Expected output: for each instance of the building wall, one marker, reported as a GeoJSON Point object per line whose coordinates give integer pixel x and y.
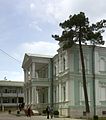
{"type": "Point", "coordinates": [68, 94]}
{"type": "Point", "coordinates": [11, 94]}
{"type": "Point", "coordinates": [69, 79]}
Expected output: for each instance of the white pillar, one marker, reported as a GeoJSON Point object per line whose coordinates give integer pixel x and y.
{"type": "Point", "coordinates": [33, 70]}
{"type": "Point", "coordinates": [37, 100]}
{"type": "Point", "coordinates": [57, 94]}
{"type": "Point", "coordinates": [17, 99]}
{"type": "Point", "coordinates": [49, 95]}
{"type": "Point", "coordinates": [29, 74]}
{"type": "Point", "coordinates": [66, 59]}
{"type": "Point", "coordinates": [36, 74]}
{"type": "Point", "coordinates": [34, 100]}
{"type": "Point", "coordinates": [60, 95]}
{"type": "Point", "coordinates": [60, 64]}
{"type": "Point", "coordinates": [66, 90]}
{"type": "Point", "coordinates": [24, 95]}
{"type": "Point", "coordinates": [25, 76]}
{"type": "Point", "coordinates": [29, 96]}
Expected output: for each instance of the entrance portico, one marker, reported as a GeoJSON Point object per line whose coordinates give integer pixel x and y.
{"type": "Point", "coordinates": [38, 78]}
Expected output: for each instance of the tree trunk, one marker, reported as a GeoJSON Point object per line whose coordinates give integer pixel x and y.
{"type": "Point", "coordinates": [83, 74]}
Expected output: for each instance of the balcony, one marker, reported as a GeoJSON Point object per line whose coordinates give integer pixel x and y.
{"type": "Point", "coordinates": [12, 94]}
{"type": "Point", "coordinates": [9, 104]}
{"type": "Point", "coordinates": [40, 81]}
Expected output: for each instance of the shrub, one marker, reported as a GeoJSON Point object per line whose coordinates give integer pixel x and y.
{"type": "Point", "coordinates": [95, 117]}
{"type": "Point", "coordinates": [44, 111]}
{"type": "Point", "coordinates": [18, 112]}
{"type": "Point", "coordinates": [56, 112]}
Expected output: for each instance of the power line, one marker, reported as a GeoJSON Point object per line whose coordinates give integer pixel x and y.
{"type": "Point", "coordinates": [10, 56]}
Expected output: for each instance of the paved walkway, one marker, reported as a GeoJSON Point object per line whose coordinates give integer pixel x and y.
{"type": "Point", "coordinates": [14, 116]}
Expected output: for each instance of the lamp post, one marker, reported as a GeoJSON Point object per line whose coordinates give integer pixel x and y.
{"type": "Point", "coordinates": [17, 98]}
{"type": "Point", "coordinates": [1, 99]}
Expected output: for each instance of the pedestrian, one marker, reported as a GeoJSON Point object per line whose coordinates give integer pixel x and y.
{"type": "Point", "coordinates": [51, 112]}
{"type": "Point", "coordinates": [48, 111]}
{"type": "Point", "coordinates": [20, 107]}
{"type": "Point", "coordinates": [29, 111]}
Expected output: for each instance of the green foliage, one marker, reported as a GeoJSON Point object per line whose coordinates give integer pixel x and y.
{"type": "Point", "coordinates": [56, 112]}
{"type": "Point", "coordinates": [78, 25]}
{"type": "Point", "coordinates": [44, 111]}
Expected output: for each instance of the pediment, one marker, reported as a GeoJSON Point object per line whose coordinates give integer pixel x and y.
{"type": "Point", "coordinates": [26, 58]}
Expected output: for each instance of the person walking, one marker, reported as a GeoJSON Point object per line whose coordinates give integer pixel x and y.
{"type": "Point", "coordinates": [29, 111]}
{"type": "Point", "coordinates": [51, 112]}
{"type": "Point", "coordinates": [48, 111]}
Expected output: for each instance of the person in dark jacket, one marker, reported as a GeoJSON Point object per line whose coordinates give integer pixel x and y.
{"type": "Point", "coordinates": [48, 111]}
{"type": "Point", "coordinates": [51, 112]}
{"type": "Point", "coordinates": [29, 111]}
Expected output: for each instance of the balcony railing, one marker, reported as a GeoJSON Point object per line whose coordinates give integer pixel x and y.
{"type": "Point", "coordinates": [9, 104]}
{"type": "Point", "coordinates": [12, 94]}
{"type": "Point", "coordinates": [40, 79]}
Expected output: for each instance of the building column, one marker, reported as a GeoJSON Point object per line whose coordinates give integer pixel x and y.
{"type": "Point", "coordinates": [66, 90]}
{"type": "Point", "coordinates": [60, 95]}
{"type": "Point", "coordinates": [17, 99]}
{"type": "Point", "coordinates": [29, 73]}
{"type": "Point", "coordinates": [50, 88]}
{"type": "Point", "coordinates": [49, 71]}
{"type": "Point", "coordinates": [1, 100]}
{"type": "Point", "coordinates": [25, 76]}
{"type": "Point", "coordinates": [29, 102]}
{"type": "Point", "coordinates": [57, 94]}
{"type": "Point", "coordinates": [34, 95]}
{"type": "Point", "coordinates": [66, 58]}
{"type": "Point", "coordinates": [30, 95]}
{"type": "Point", "coordinates": [27, 96]}
{"type": "Point", "coordinates": [49, 94]}
{"type": "Point", "coordinates": [24, 94]}
{"type": "Point", "coordinates": [37, 97]}
{"type": "Point", "coordinates": [33, 70]}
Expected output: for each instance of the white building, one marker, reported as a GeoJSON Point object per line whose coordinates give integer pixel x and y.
{"type": "Point", "coordinates": [58, 80]}
{"type": "Point", "coordinates": [11, 94]}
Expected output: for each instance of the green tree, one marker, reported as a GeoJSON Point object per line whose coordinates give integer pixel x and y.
{"type": "Point", "coordinates": [77, 30]}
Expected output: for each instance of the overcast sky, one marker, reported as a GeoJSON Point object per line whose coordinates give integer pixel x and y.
{"type": "Point", "coordinates": [26, 26]}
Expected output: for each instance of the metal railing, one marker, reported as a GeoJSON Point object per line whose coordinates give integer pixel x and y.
{"type": "Point", "coordinates": [41, 79]}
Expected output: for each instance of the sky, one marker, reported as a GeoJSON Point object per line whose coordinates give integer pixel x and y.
{"type": "Point", "coordinates": [26, 26]}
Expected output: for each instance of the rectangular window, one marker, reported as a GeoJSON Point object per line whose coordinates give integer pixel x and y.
{"type": "Point", "coordinates": [64, 93]}
{"type": "Point", "coordinates": [103, 94]}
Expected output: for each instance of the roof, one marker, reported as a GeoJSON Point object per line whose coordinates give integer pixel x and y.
{"type": "Point", "coordinates": [11, 83]}
{"type": "Point", "coordinates": [38, 55]}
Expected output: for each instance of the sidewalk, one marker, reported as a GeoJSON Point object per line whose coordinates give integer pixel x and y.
{"type": "Point", "coordinates": [21, 116]}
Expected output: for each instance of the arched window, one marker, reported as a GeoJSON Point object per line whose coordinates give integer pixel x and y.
{"type": "Point", "coordinates": [102, 64]}
{"type": "Point", "coordinates": [86, 63]}
{"type": "Point", "coordinates": [64, 93]}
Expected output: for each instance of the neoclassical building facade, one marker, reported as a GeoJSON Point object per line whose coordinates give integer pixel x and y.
{"type": "Point", "coordinates": [57, 81]}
